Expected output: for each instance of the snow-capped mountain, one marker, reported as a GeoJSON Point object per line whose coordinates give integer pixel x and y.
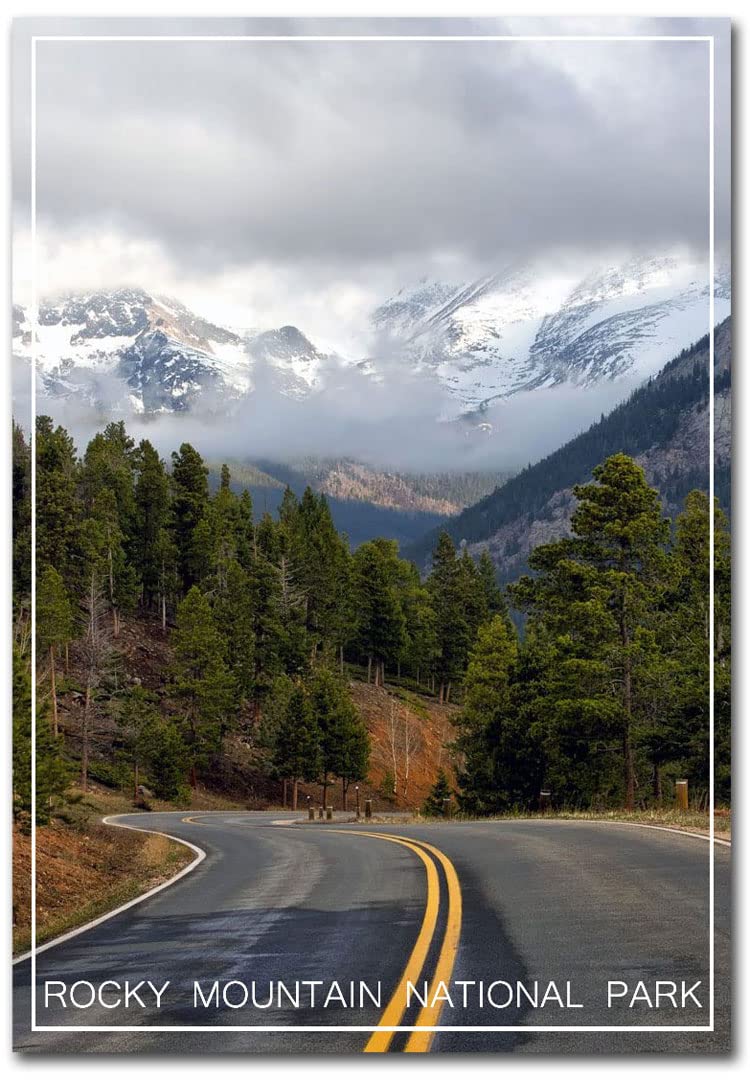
{"type": "Point", "coordinates": [481, 341]}
{"type": "Point", "coordinates": [158, 355]}
{"type": "Point", "coordinates": [523, 329]}
{"type": "Point", "coordinates": [127, 343]}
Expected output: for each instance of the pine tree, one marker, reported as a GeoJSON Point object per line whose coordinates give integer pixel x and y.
{"type": "Point", "coordinates": [686, 633]}
{"type": "Point", "coordinates": [234, 618]}
{"type": "Point", "coordinates": [52, 773]}
{"type": "Point", "coordinates": [137, 714]}
{"type": "Point", "coordinates": [474, 602]}
{"type": "Point", "coordinates": [245, 530]}
{"type": "Point", "coordinates": [597, 593]}
{"type": "Point", "coordinates": [201, 683]}
{"type": "Point", "coordinates": [493, 594]}
{"type": "Point", "coordinates": [151, 510]}
{"type": "Point", "coordinates": [119, 573]}
{"type": "Point", "coordinates": [439, 797]}
{"type": "Point", "coordinates": [268, 628]}
{"type": "Point", "coordinates": [108, 465]}
{"type": "Point", "coordinates": [58, 509]}
{"type": "Point", "coordinates": [296, 751]}
{"type": "Point", "coordinates": [54, 626]}
{"type": "Point", "coordinates": [96, 656]}
{"type": "Point", "coordinates": [380, 626]}
{"type": "Point", "coordinates": [223, 521]}
{"type": "Point", "coordinates": [21, 506]}
{"type": "Point", "coordinates": [501, 761]}
{"type": "Point", "coordinates": [165, 757]}
{"type": "Point", "coordinates": [342, 751]}
{"type": "Point", "coordinates": [190, 531]}
{"type": "Point", "coordinates": [446, 585]}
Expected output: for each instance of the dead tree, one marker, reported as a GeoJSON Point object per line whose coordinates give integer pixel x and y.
{"type": "Point", "coordinates": [96, 653]}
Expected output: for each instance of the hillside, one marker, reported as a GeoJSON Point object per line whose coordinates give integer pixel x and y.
{"type": "Point", "coordinates": [409, 732]}
{"type": "Point", "coordinates": [663, 425]}
{"type": "Point", "coordinates": [365, 501]}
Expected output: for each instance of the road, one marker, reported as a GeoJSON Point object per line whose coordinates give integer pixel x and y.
{"type": "Point", "coordinates": [325, 924]}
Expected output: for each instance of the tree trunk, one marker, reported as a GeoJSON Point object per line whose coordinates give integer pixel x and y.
{"type": "Point", "coordinates": [295, 790]}
{"type": "Point", "coordinates": [657, 784]}
{"type": "Point", "coordinates": [135, 781]}
{"type": "Point", "coordinates": [164, 612]}
{"type": "Point", "coordinates": [447, 693]}
{"type": "Point", "coordinates": [85, 742]}
{"type": "Point", "coordinates": [325, 791]}
{"type": "Point", "coordinates": [627, 701]}
{"type": "Point", "coordinates": [341, 659]}
{"type": "Point", "coordinates": [67, 659]}
{"type": "Point", "coordinates": [441, 692]}
{"type": "Point", "coordinates": [344, 789]}
{"type": "Point", "coordinates": [193, 777]}
{"type": "Point", "coordinates": [115, 621]}
{"type": "Point", "coordinates": [369, 668]}
{"type": "Point", "coordinates": [53, 690]}
{"type": "Point", "coordinates": [283, 793]}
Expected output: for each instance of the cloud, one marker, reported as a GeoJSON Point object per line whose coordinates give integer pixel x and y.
{"type": "Point", "coordinates": [332, 155]}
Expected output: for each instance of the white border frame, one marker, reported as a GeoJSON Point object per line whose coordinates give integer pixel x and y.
{"type": "Point", "coordinates": [710, 40]}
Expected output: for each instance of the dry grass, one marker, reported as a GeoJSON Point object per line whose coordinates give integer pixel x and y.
{"type": "Point", "coordinates": [85, 868]}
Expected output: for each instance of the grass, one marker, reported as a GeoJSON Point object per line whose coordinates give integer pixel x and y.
{"type": "Point", "coordinates": [158, 863]}
{"type": "Point", "coordinates": [85, 868]}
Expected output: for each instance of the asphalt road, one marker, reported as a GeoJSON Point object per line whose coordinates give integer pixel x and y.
{"type": "Point", "coordinates": [320, 926]}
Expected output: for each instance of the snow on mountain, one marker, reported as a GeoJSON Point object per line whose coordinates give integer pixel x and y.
{"type": "Point", "coordinates": [523, 329]}
{"type": "Point", "coordinates": [153, 350]}
{"type": "Point", "coordinates": [297, 364]}
{"type": "Point", "coordinates": [481, 341]}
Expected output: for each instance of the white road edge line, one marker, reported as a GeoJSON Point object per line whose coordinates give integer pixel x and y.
{"type": "Point", "coordinates": [200, 855]}
{"type": "Point", "coordinates": [626, 824]}
{"type": "Point", "coordinates": [666, 828]}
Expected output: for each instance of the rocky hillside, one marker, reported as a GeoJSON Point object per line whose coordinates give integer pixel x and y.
{"type": "Point", "coordinates": [664, 425]}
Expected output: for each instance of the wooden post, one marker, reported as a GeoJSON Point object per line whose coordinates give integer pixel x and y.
{"type": "Point", "coordinates": [320, 813]}
{"type": "Point", "coordinates": [368, 808]}
{"type": "Point", "coordinates": [681, 795]}
{"type": "Point", "coordinates": [329, 813]}
{"type": "Point", "coordinates": [311, 812]}
{"type": "Point", "coordinates": [357, 791]}
{"type": "Point", "coordinates": [447, 807]}
{"type": "Point", "coordinates": [544, 797]}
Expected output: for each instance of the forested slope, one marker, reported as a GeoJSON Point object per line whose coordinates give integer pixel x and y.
{"type": "Point", "coordinates": [663, 425]}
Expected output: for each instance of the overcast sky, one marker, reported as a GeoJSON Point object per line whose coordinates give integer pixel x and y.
{"type": "Point", "coordinates": [302, 182]}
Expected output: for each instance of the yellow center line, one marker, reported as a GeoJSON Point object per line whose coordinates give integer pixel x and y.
{"type": "Point", "coordinates": [429, 1015]}
{"type": "Point", "coordinates": [419, 1042]}
{"type": "Point", "coordinates": [393, 1013]}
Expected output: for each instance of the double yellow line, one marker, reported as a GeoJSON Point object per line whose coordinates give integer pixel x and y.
{"type": "Point", "coordinates": [419, 1042]}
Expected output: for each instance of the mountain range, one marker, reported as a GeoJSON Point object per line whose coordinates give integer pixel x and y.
{"type": "Point", "coordinates": [519, 330]}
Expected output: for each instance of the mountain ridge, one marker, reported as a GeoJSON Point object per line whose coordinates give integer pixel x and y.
{"type": "Point", "coordinates": [517, 330]}
{"type": "Point", "coordinates": [663, 425]}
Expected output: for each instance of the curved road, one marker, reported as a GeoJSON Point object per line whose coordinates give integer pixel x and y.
{"type": "Point", "coordinates": [514, 924]}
